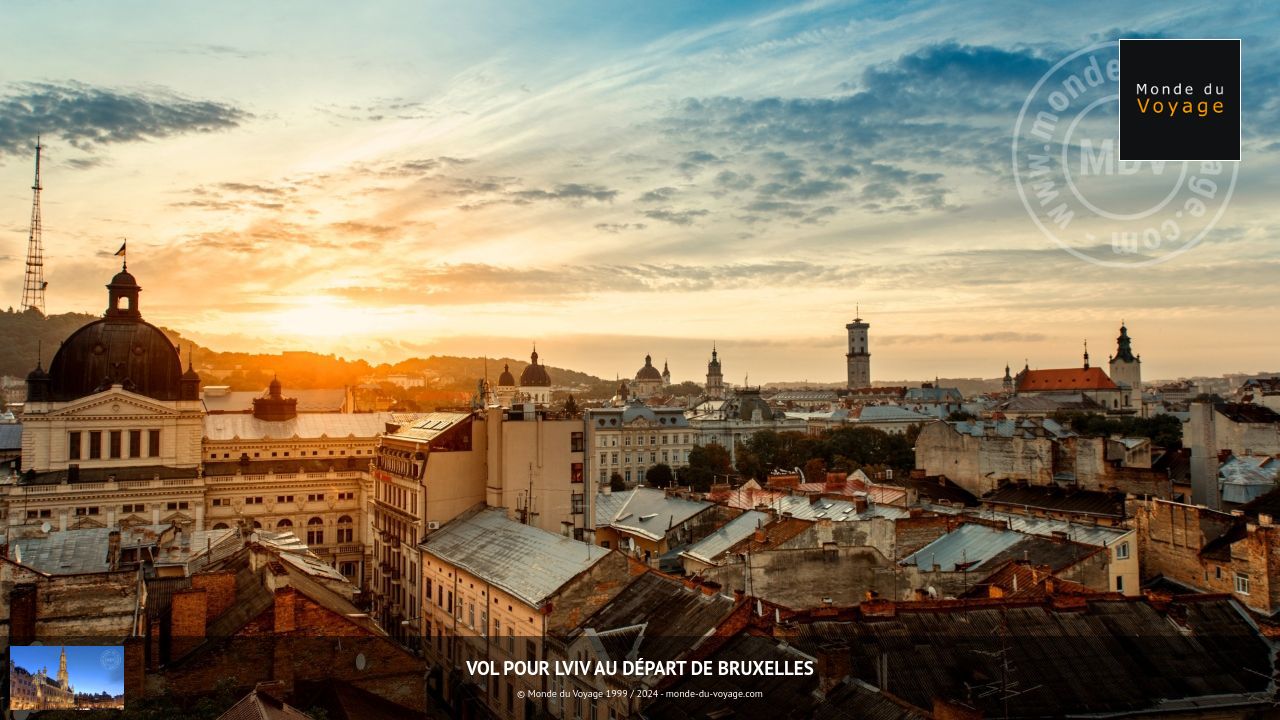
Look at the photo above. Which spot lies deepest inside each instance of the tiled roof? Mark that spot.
(1090, 378)
(529, 563)
(1054, 498)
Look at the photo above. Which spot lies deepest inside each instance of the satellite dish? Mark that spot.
(360, 661)
(45, 526)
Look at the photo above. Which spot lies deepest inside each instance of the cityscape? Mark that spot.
(89, 680)
(710, 369)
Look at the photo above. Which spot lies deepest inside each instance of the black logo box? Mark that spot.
(1186, 68)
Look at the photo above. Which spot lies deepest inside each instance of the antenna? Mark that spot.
(33, 284)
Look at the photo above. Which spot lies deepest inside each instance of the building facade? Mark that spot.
(630, 439)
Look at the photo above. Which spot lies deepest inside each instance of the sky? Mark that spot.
(607, 179)
(90, 669)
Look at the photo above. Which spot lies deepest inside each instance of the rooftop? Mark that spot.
(306, 426)
(980, 548)
(1058, 499)
(1068, 379)
(321, 400)
(529, 563)
(714, 545)
(1097, 657)
(648, 512)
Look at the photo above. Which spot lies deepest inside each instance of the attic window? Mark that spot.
(650, 516)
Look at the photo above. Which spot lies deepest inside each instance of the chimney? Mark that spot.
(759, 536)
(113, 550)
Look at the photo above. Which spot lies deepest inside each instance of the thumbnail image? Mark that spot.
(77, 677)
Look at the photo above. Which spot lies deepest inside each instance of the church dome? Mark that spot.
(648, 372)
(535, 375)
(121, 348)
(506, 379)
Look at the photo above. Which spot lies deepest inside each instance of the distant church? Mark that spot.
(1121, 391)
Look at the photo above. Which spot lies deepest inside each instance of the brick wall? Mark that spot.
(221, 589)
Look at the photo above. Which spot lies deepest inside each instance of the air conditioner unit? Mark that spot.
(433, 525)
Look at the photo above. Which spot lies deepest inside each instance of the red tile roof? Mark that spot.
(1091, 378)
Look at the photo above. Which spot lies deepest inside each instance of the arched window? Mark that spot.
(257, 525)
(315, 531)
(221, 526)
(284, 523)
(346, 529)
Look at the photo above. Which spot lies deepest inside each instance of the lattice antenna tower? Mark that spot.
(33, 284)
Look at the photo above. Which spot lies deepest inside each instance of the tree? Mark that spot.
(815, 470)
(958, 415)
(616, 483)
(660, 476)
(707, 464)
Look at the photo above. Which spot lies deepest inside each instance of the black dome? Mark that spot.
(534, 375)
(133, 353)
(121, 348)
(506, 379)
(648, 372)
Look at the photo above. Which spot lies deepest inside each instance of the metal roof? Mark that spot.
(304, 426)
(968, 544)
(527, 562)
(10, 436)
(650, 512)
(429, 426)
(712, 546)
(72, 552)
(323, 400)
(1098, 535)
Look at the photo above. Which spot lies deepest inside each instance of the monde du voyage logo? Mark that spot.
(1155, 188)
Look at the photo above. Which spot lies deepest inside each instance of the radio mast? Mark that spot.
(33, 286)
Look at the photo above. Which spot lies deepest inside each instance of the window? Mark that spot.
(221, 526)
(315, 531)
(284, 498)
(183, 505)
(1242, 583)
(153, 443)
(133, 508)
(284, 523)
(575, 442)
(257, 500)
(73, 445)
(135, 443)
(221, 502)
(1119, 583)
(1122, 551)
(575, 472)
(346, 529)
(95, 445)
(315, 497)
(87, 510)
(346, 496)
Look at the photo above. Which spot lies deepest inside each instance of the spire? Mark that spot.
(1124, 348)
(1086, 354)
(33, 283)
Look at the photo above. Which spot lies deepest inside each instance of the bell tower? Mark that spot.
(1126, 370)
(858, 357)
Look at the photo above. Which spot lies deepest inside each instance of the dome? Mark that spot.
(121, 348)
(506, 379)
(648, 372)
(132, 353)
(535, 375)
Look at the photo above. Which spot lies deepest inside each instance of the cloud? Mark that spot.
(658, 195)
(88, 117)
(570, 192)
(615, 228)
(676, 217)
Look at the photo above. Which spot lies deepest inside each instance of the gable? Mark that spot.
(113, 403)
